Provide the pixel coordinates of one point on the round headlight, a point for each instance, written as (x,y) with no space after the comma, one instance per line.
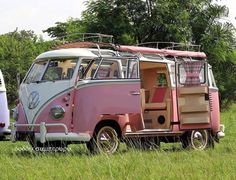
(57,112)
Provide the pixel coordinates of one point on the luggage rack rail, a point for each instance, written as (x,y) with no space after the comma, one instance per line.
(171,46)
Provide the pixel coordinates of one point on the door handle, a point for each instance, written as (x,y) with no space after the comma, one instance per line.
(134,93)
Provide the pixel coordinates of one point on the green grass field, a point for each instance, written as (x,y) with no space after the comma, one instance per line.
(18,161)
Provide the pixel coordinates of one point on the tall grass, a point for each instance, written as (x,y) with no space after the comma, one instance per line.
(19,161)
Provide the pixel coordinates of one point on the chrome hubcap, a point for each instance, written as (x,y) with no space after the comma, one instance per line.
(199,139)
(107,140)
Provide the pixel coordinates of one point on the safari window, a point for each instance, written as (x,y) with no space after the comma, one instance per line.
(36,72)
(60,70)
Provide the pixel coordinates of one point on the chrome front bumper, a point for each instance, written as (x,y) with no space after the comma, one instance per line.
(44,136)
(5,132)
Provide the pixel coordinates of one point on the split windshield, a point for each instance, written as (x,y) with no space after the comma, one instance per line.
(51,70)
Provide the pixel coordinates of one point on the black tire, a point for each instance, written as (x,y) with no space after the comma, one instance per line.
(211,142)
(105,140)
(197,139)
(184,139)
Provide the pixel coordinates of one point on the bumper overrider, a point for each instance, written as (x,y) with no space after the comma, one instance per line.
(44,136)
(221,133)
(5,132)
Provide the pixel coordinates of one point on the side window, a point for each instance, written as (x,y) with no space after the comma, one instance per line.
(132,70)
(213,83)
(172,73)
(59,70)
(87,68)
(108,70)
(192,73)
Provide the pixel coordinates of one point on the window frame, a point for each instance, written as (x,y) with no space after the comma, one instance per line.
(204,73)
(123,75)
(46,66)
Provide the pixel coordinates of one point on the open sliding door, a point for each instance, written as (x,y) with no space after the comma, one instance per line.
(193,95)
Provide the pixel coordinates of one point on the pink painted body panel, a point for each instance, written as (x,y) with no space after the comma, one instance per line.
(195,126)
(175,117)
(92,102)
(215,110)
(65,100)
(21,118)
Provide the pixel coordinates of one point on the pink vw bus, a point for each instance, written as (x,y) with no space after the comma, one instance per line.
(138,95)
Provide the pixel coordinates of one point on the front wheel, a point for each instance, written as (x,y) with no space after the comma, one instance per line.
(105,140)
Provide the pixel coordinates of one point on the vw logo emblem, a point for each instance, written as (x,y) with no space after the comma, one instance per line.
(33,100)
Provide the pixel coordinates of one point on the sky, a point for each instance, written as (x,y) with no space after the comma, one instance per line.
(38,15)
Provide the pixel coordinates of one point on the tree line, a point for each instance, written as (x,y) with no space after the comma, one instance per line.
(132,22)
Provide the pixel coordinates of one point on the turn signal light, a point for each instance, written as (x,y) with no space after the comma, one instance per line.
(2,124)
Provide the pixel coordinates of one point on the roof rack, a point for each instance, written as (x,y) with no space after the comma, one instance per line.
(86,40)
(162,52)
(94,37)
(85,45)
(171,46)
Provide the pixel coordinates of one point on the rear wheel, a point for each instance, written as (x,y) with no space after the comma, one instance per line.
(197,139)
(105,140)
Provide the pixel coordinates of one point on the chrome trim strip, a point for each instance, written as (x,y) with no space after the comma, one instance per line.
(38,125)
(87,83)
(84,137)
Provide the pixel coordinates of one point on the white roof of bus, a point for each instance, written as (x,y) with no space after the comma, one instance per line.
(88,52)
(72,52)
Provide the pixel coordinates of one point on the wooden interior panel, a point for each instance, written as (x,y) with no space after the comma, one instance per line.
(151,122)
(193,107)
(200,118)
(151,107)
(191,90)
